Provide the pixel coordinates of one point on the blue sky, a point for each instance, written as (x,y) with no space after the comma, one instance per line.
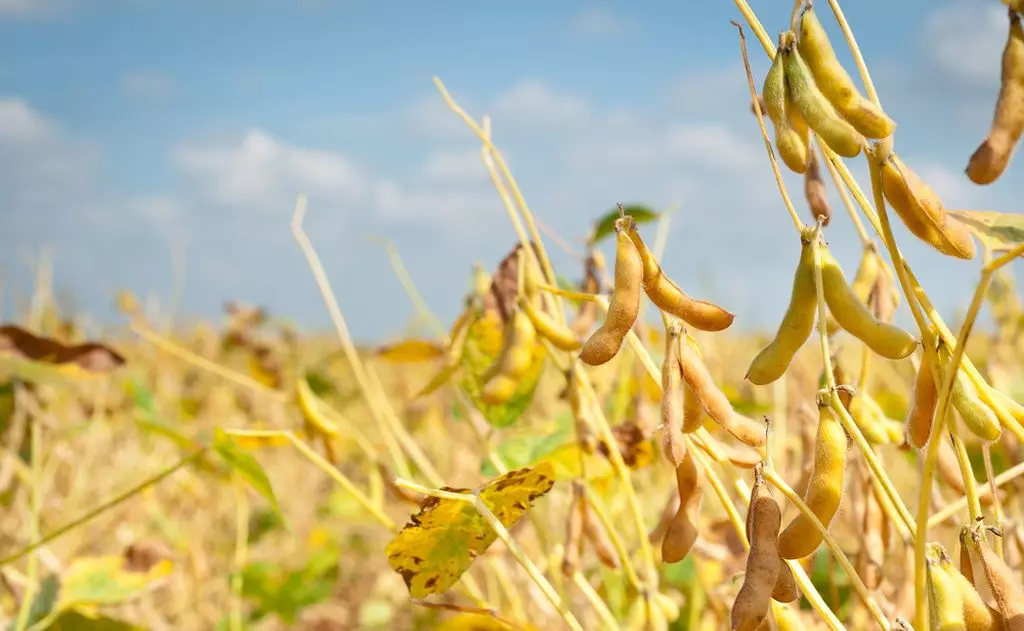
(132,128)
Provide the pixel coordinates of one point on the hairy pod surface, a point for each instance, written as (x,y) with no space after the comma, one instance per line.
(753,602)
(989,160)
(682,530)
(797,323)
(815,109)
(975,414)
(791,139)
(869,419)
(884,339)
(667,296)
(553,331)
(814,189)
(714,401)
(922,410)
(513,362)
(624,304)
(835,83)
(672,398)
(922,211)
(945,600)
(976,614)
(997,584)
(600,541)
(824,489)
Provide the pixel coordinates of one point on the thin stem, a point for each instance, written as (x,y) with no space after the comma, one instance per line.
(858,58)
(241,552)
(755,25)
(102,508)
(35,499)
(951,509)
(970,484)
(402,274)
(595,600)
(855,581)
(844,195)
(224,372)
(503,534)
(764,133)
(997,504)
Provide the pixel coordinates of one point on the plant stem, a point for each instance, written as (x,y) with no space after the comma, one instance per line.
(241,552)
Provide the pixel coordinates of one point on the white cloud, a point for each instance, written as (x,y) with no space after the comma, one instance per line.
(966,40)
(261,172)
(455,166)
(599,22)
(535,103)
(148,85)
(25,8)
(23,126)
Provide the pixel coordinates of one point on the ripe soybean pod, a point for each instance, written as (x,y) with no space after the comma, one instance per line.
(814,189)
(975,414)
(989,160)
(824,488)
(923,212)
(976,614)
(672,397)
(693,411)
(812,105)
(922,411)
(574,531)
(997,584)
(797,323)
(792,144)
(884,339)
(667,296)
(594,531)
(869,418)
(555,332)
(682,530)
(835,83)
(624,304)
(714,401)
(753,602)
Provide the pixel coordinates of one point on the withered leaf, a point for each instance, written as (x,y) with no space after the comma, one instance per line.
(90,356)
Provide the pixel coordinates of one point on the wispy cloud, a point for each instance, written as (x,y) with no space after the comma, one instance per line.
(598,22)
(148,85)
(966,40)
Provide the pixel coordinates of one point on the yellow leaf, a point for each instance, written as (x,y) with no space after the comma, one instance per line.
(441,541)
(411,351)
(105,581)
(996,231)
(482,348)
(476,622)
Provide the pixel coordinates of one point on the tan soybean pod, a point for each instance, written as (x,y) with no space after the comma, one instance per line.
(975,414)
(814,107)
(824,489)
(553,331)
(945,599)
(922,411)
(887,340)
(923,212)
(625,300)
(672,388)
(574,531)
(753,602)
(682,530)
(792,144)
(989,160)
(835,83)
(600,541)
(797,323)
(693,411)
(977,615)
(501,380)
(997,584)
(667,296)
(714,401)
(814,189)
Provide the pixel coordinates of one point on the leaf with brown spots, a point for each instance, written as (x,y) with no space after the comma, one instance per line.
(91,357)
(505,284)
(443,539)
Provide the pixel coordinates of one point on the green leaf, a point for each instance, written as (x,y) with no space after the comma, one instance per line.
(73,620)
(996,231)
(520,451)
(606,224)
(482,348)
(42,602)
(245,465)
(104,581)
